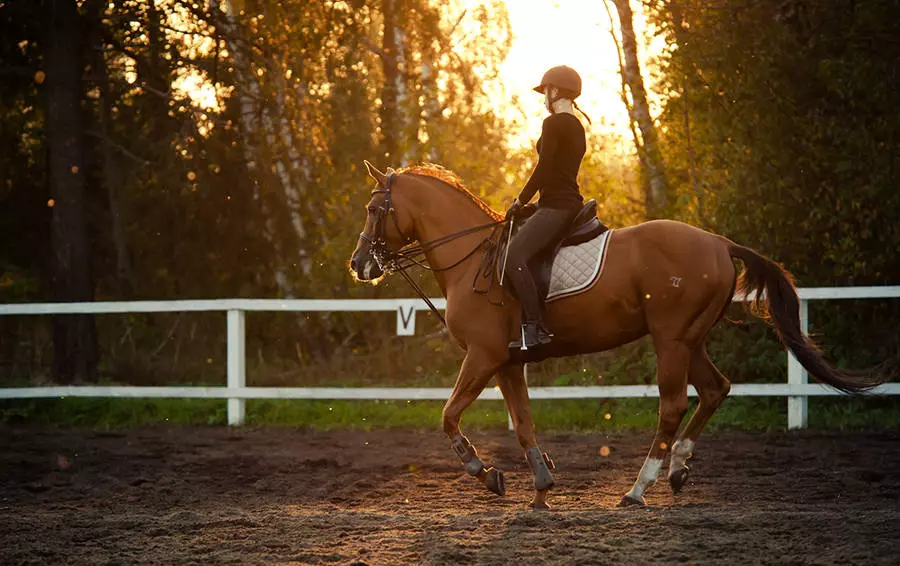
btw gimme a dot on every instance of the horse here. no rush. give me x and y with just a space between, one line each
664 278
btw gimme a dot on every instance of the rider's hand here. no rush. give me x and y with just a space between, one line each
514 209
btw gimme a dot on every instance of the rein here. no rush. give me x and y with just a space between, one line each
390 261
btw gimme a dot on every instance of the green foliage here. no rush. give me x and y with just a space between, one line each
779 124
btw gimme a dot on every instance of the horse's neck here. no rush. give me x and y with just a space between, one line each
444 212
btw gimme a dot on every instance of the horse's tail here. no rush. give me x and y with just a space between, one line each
777 303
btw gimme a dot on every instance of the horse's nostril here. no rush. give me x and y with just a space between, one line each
354 264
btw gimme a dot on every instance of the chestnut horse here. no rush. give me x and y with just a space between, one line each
662 278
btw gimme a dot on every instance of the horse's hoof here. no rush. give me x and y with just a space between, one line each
678 478
495 482
628 501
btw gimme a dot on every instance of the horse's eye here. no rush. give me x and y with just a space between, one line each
371 209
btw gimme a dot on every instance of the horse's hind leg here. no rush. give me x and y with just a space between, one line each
712 387
477 369
673 360
511 380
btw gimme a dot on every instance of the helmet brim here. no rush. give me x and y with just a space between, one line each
539 89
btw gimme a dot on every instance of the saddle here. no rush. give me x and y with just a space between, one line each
584 227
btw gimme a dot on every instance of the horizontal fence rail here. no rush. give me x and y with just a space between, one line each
797 390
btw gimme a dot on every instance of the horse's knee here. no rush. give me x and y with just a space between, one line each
713 397
671 413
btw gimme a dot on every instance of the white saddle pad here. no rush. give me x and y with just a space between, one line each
577 267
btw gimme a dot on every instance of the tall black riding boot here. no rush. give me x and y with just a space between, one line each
533 334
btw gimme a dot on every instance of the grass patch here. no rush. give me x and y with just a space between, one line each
745 413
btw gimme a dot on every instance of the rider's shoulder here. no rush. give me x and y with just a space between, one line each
561 119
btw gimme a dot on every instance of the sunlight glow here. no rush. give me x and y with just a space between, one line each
573 33
202 93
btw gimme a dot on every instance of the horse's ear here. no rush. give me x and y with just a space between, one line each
379 177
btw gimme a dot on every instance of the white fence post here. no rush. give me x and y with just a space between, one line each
797 405
237 365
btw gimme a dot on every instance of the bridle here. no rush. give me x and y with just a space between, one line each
390 260
381 250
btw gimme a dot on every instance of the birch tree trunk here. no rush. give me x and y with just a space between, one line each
281 209
394 98
431 111
657 187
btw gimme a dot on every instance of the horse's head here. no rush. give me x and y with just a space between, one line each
386 229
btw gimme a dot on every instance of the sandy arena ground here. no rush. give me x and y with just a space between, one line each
276 495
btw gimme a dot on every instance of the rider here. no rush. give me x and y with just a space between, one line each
560 150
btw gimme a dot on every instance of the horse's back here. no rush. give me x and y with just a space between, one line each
660 243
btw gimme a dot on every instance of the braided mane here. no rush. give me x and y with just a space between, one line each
448 178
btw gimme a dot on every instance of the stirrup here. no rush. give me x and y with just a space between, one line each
533 335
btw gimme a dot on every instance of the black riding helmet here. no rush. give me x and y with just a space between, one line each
567 82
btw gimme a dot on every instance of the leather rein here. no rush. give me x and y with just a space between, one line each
390 261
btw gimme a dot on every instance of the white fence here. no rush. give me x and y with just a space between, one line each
797 390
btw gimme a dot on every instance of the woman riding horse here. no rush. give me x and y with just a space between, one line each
561 148
670 280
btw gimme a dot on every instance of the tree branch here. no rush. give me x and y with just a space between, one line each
124 151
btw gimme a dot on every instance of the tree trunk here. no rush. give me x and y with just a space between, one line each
74 336
112 168
651 160
270 169
431 111
394 96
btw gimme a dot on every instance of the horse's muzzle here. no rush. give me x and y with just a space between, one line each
365 267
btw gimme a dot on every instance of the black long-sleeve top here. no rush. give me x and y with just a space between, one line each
560 148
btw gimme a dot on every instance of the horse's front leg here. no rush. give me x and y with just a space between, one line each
477 369
511 380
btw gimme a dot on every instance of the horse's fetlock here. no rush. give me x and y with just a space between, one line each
467 454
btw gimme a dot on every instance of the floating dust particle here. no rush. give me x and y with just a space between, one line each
647 296
51 203
208 360
406 500
75 169
604 451
191 176
663 445
607 416
39 77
